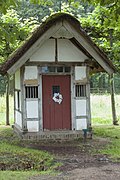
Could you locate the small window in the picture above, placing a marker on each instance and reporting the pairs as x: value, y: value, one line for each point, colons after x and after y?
x: 45, y: 69
x: 55, y: 89
x: 67, y: 69
x: 31, y: 91
x: 80, y: 90
x: 60, y: 69
x: 18, y: 100
x: 51, y: 69
x: 55, y: 69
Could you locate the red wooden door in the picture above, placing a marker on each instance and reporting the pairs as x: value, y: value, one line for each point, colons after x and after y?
x: 56, y: 116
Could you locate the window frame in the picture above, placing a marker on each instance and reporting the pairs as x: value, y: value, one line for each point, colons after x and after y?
x: 80, y: 90
x: 32, y: 91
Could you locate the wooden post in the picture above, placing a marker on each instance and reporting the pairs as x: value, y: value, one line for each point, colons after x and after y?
x: 115, y: 122
x: 7, y: 100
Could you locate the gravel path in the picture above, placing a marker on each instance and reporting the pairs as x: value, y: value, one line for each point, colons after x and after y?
x: 106, y: 172
x: 78, y: 163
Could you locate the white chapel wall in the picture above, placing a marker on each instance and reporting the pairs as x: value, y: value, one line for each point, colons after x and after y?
x: 32, y: 108
x: 31, y: 72
x: 18, y: 117
x: 68, y: 52
x: 45, y: 53
x: 17, y: 79
x: 33, y: 126
x: 81, y: 101
x: 80, y: 73
x: 18, y: 114
x: 31, y: 104
x: 81, y: 107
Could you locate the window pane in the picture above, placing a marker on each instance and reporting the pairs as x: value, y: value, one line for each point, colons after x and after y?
x: 59, y: 69
x: 67, y: 69
x: 55, y: 89
x: 45, y: 69
x: 80, y: 90
x: 51, y: 69
x: 31, y: 91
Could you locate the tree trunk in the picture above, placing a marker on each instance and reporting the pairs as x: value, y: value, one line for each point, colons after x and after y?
x: 115, y: 122
x: 7, y: 101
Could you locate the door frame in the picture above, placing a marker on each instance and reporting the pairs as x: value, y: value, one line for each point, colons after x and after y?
x: 71, y: 99
x: 40, y: 99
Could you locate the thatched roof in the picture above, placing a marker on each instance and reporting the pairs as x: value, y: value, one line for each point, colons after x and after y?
x: 41, y: 30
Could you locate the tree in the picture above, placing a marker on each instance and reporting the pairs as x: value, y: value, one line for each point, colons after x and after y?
x: 4, y: 5
x: 96, y: 16
x: 12, y: 33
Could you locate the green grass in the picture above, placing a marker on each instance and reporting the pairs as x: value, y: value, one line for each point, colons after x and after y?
x: 15, y: 157
x: 20, y: 175
x: 101, y: 109
x: 3, y: 109
x: 113, y: 134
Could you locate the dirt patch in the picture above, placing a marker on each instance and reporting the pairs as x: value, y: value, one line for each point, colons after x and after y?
x: 79, y: 161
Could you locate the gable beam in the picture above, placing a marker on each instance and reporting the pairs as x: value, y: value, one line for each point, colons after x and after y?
x: 82, y: 40
x: 35, y: 47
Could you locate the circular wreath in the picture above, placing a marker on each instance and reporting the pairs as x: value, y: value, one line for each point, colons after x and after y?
x: 57, y: 98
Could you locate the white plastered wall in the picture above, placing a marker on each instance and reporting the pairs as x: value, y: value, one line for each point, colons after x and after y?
x: 31, y: 73
x: 46, y: 52
x: 33, y: 126
x: 80, y: 73
x: 81, y: 103
x: 32, y: 108
x: 17, y: 79
x: 68, y: 52
x: 18, y: 115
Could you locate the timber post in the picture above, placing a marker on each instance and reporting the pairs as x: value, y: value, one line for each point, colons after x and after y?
x: 115, y: 122
x: 7, y: 100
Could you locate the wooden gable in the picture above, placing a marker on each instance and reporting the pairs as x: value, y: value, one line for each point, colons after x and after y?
x: 69, y: 34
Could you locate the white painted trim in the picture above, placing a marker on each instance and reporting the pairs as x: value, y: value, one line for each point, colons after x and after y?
x: 73, y: 121
x: 81, y: 39
x: 88, y: 99
x: 40, y: 103
x: 34, y: 47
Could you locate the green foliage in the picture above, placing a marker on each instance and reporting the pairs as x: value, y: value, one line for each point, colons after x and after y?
x: 4, y: 5
x: 13, y: 31
x: 99, y: 18
x: 102, y: 25
x: 14, y: 157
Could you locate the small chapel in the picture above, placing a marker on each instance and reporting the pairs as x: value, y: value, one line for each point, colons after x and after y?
x: 52, y: 79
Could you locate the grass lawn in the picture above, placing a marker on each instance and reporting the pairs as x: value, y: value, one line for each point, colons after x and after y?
x: 17, y: 162
x: 17, y: 175
x: 113, y: 134
x: 20, y: 163
x: 101, y: 109
x: 3, y: 109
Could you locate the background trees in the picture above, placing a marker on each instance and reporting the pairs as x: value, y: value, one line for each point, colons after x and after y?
x: 100, y: 19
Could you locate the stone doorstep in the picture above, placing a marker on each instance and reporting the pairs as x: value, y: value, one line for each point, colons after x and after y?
x: 51, y: 135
